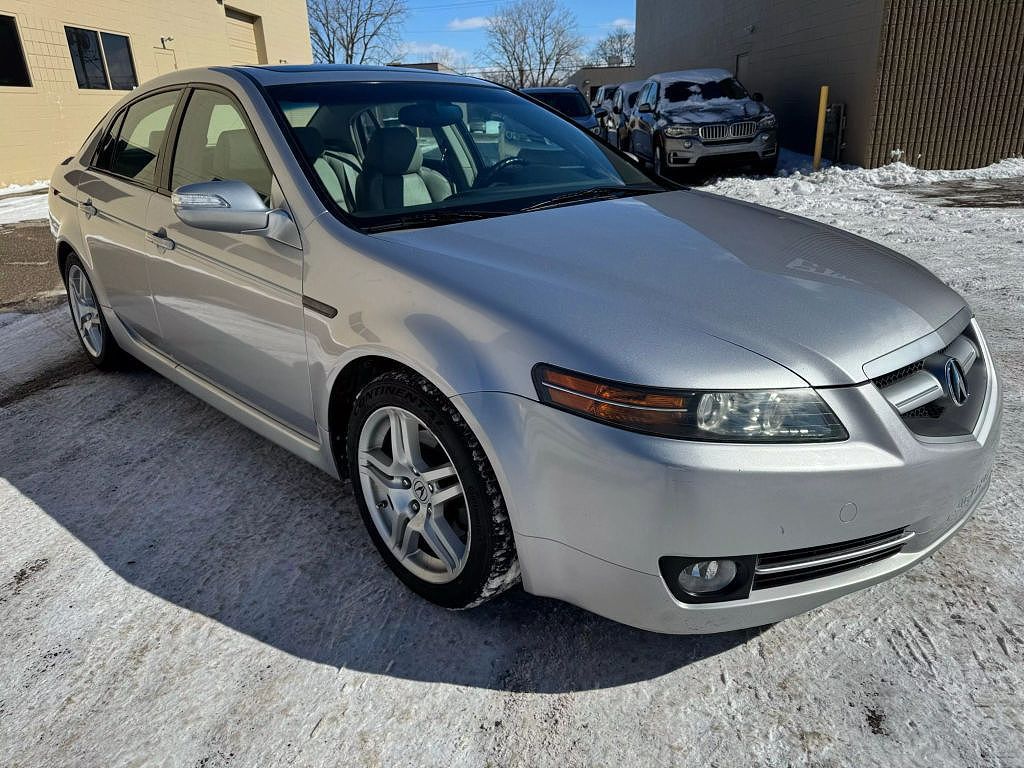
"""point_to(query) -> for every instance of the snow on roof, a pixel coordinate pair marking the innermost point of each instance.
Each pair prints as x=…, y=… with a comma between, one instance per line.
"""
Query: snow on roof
x=693, y=75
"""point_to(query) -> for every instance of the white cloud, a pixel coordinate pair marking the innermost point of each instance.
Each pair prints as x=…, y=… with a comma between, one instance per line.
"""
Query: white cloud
x=433, y=52
x=623, y=24
x=473, y=22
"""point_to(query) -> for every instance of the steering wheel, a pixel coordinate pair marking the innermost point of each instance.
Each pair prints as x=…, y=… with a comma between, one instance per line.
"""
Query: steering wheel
x=489, y=175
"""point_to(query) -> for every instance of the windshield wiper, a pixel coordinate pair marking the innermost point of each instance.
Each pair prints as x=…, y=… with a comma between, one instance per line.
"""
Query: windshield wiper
x=586, y=195
x=433, y=218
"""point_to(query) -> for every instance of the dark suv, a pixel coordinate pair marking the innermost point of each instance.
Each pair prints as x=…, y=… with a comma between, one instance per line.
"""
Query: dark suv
x=684, y=118
x=569, y=101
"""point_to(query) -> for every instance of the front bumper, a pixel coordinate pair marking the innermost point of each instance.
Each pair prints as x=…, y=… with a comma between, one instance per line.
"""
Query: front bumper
x=594, y=508
x=685, y=152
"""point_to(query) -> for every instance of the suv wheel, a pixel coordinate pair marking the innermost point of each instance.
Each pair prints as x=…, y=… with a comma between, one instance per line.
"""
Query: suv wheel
x=427, y=493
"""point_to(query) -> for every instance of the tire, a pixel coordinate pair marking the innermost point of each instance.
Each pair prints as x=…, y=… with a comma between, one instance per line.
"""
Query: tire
x=91, y=327
x=488, y=564
x=768, y=166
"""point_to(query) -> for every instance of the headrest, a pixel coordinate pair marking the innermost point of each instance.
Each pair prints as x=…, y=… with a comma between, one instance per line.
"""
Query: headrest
x=393, y=152
x=311, y=141
x=237, y=149
x=156, y=138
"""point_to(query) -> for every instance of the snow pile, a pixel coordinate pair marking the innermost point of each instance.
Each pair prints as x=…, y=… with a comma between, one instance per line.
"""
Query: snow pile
x=23, y=208
x=14, y=189
x=796, y=178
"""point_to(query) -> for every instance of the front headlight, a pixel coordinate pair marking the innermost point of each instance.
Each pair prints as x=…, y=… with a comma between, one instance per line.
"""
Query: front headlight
x=767, y=122
x=772, y=416
x=678, y=131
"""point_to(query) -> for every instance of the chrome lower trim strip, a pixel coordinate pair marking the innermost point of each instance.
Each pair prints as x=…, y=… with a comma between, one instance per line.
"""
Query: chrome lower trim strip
x=852, y=554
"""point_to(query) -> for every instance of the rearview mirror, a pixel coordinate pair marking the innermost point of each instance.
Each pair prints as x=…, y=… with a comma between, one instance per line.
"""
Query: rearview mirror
x=234, y=207
x=757, y=96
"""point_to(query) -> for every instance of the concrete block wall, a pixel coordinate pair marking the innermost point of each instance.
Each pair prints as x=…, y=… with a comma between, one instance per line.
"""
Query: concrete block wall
x=44, y=123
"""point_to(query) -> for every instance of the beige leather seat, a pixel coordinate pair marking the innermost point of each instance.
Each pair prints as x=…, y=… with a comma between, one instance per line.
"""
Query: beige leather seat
x=339, y=181
x=393, y=175
x=237, y=157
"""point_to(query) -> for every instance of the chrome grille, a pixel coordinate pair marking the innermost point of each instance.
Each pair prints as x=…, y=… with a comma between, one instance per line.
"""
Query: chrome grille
x=779, y=568
x=918, y=391
x=722, y=131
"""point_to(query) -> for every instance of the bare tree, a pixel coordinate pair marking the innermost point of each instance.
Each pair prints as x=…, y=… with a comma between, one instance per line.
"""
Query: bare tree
x=355, y=31
x=616, y=48
x=532, y=42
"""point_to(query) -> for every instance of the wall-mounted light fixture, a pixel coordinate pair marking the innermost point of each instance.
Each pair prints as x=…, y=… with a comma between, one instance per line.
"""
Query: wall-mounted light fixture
x=164, y=41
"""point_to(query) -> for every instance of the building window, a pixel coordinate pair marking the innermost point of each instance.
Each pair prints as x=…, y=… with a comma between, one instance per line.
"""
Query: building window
x=102, y=60
x=13, y=68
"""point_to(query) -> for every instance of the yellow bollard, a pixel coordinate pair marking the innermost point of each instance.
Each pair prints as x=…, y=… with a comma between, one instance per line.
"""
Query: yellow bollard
x=819, y=136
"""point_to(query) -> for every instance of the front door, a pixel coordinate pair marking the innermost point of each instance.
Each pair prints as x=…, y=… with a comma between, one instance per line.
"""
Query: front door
x=113, y=201
x=230, y=306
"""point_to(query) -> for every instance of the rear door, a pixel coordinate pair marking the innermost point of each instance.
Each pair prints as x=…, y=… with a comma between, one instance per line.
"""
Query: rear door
x=113, y=201
x=229, y=305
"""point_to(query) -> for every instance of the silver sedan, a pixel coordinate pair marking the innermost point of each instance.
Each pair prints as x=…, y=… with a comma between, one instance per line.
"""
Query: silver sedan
x=534, y=360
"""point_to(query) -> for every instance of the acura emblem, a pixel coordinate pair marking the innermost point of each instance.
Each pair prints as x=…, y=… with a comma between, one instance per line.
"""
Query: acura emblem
x=956, y=382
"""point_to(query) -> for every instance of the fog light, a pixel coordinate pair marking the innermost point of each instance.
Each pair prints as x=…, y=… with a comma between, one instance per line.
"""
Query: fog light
x=687, y=144
x=764, y=137
x=707, y=576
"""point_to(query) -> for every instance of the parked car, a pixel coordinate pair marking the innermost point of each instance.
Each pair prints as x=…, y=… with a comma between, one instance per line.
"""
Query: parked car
x=731, y=419
x=617, y=119
x=602, y=106
x=688, y=117
x=570, y=102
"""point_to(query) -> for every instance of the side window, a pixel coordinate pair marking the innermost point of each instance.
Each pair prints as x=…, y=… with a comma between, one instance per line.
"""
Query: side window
x=107, y=145
x=366, y=124
x=139, y=137
x=216, y=144
x=13, y=67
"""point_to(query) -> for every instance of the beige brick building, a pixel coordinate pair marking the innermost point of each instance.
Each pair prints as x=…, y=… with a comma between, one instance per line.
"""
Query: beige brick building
x=64, y=63
x=939, y=83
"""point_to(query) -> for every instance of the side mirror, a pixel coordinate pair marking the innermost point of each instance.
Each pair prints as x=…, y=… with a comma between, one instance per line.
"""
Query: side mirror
x=600, y=113
x=645, y=107
x=234, y=207
x=757, y=96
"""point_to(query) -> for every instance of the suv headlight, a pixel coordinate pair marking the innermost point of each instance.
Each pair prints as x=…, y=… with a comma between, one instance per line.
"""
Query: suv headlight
x=767, y=122
x=771, y=416
x=678, y=131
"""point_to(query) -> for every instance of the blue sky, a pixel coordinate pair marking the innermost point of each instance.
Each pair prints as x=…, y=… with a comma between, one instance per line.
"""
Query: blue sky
x=460, y=25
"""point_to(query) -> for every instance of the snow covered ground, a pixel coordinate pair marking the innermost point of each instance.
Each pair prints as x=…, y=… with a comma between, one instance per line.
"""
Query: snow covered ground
x=23, y=202
x=176, y=591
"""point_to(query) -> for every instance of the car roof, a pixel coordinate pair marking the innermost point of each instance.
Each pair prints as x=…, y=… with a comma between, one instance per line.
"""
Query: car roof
x=285, y=74
x=550, y=89
x=692, y=75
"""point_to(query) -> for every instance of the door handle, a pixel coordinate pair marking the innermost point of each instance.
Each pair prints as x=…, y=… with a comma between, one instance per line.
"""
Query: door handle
x=160, y=241
x=88, y=209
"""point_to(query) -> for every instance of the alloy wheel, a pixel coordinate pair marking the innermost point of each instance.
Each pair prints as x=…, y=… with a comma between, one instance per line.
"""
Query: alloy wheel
x=414, y=494
x=86, y=310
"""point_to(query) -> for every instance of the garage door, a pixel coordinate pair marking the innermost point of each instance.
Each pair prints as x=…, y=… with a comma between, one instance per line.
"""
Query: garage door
x=243, y=44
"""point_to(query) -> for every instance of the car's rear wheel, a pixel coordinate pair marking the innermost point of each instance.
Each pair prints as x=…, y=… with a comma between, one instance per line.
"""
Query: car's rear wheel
x=93, y=332
x=427, y=493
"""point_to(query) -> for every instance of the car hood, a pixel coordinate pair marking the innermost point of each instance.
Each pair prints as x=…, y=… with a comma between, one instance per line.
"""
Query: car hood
x=585, y=121
x=711, y=110
x=653, y=280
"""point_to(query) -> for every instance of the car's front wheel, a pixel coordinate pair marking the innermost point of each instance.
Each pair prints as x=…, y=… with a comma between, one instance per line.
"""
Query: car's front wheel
x=93, y=332
x=427, y=493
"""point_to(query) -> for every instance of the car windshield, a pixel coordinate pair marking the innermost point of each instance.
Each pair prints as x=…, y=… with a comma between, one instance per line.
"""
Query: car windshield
x=392, y=155
x=569, y=102
x=683, y=90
